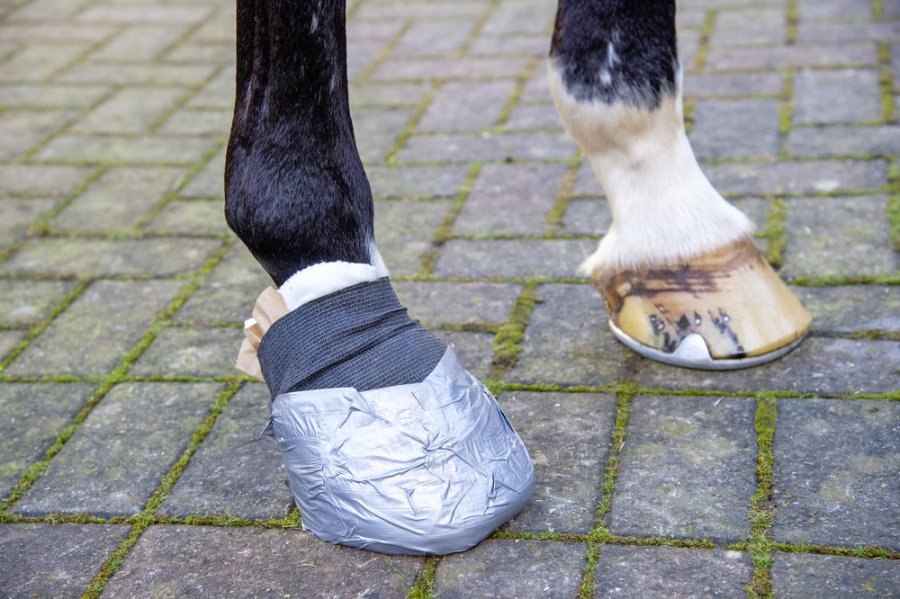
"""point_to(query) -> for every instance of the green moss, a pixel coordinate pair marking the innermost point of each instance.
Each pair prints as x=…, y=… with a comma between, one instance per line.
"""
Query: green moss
x=555, y=217
x=588, y=582
x=786, y=107
x=793, y=18
x=775, y=233
x=762, y=512
x=617, y=441
x=424, y=585
x=706, y=31
x=445, y=231
x=508, y=340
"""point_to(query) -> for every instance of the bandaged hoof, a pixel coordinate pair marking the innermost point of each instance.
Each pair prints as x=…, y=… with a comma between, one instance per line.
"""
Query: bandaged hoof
x=723, y=310
x=426, y=469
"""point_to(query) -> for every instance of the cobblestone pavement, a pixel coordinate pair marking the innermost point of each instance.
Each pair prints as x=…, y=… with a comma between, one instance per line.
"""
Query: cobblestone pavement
x=130, y=459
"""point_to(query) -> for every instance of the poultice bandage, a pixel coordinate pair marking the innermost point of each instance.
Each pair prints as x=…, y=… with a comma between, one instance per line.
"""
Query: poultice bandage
x=389, y=443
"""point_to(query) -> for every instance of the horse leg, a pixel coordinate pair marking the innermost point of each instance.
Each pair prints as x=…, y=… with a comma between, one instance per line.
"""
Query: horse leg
x=678, y=270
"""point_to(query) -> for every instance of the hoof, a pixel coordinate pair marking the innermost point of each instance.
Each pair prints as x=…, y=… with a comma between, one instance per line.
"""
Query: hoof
x=426, y=469
x=723, y=310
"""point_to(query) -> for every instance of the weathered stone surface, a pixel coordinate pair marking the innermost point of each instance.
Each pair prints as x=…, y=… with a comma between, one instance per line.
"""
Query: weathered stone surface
x=728, y=84
x=40, y=180
x=236, y=472
x=587, y=216
x=121, y=451
x=16, y=216
x=534, y=116
x=508, y=569
x=230, y=292
x=36, y=62
x=452, y=68
x=104, y=257
x=487, y=147
x=850, y=309
x=196, y=217
x=458, y=303
x=568, y=437
x=22, y=130
x=839, y=237
x=686, y=469
x=9, y=340
x=474, y=350
x=191, y=352
x=209, y=181
x=182, y=75
x=835, y=480
x=218, y=93
x=377, y=129
x=749, y=26
x=240, y=562
x=93, y=333
x=818, y=366
x=735, y=128
x=460, y=105
x=568, y=342
x=386, y=93
x=797, y=177
x=197, y=122
x=117, y=150
x=416, y=181
x=586, y=183
x=140, y=42
x=32, y=417
x=54, y=560
x=511, y=198
x=806, y=55
x=670, y=572
x=796, y=575
x=404, y=231
x=130, y=111
x=834, y=9
x=844, y=140
x=513, y=258
x=836, y=96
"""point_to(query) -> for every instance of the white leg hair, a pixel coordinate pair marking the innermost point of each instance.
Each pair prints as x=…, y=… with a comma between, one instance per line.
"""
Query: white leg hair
x=664, y=208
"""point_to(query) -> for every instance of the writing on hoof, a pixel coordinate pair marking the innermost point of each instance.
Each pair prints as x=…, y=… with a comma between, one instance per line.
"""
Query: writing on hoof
x=722, y=310
x=389, y=443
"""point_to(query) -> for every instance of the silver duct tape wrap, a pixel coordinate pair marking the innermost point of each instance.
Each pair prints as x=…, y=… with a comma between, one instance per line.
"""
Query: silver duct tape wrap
x=424, y=469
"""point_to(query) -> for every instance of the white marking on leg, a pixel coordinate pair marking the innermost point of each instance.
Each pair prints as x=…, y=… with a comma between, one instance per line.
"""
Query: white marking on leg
x=322, y=279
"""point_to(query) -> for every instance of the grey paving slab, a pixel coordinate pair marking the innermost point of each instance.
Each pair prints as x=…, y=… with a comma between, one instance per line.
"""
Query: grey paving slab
x=466, y=105
x=835, y=480
x=230, y=292
x=568, y=342
x=416, y=181
x=498, y=147
x=22, y=130
x=474, y=350
x=54, y=560
x=110, y=149
x=8, y=341
x=533, y=116
x=106, y=257
x=796, y=576
x=686, y=469
x=819, y=365
x=513, y=258
x=850, y=309
x=236, y=472
x=509, y=569
x=749, y=26
x=568, y=438
x=118, y=198
x=670, y=572
x=41, y=180
x=33, y=415
x=450, y=68
x=511, y=198
x=191, y=217
x=203, y=352
x=241, y=562
x=520, y=17
x=838, y=236
x=18, y=216
x=208, y=182
x=836, y=96
x=376, y=130
x=587, y=216
x=797, y=177
x=510, y=45
x=190, y=121
x=458, y=303
x=121, y=452
x=724, y=128
x=843, y=140
x=586, y=183
x=836, y=33
x=729, y=84
x=806, y=55
x=386, y=93
x=431, y=37
x=404, y=230
x=129, y=111
x=91, y=336
x=833, y=9
x=182, y=75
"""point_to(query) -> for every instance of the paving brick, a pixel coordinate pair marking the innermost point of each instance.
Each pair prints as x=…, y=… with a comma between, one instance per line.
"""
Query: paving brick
x=121, y=452
x=47, y=9
x=534, y=116
x=586, y=183
x=797, y=177
x=118, y=199
x=416, y=181
x=466, y=105
x=42, y=95
x=568, y=342
x=510, y=569
x=851, y=309
x=209, y=182
x=587, y=216
x=432, y=10
x=139, y=42
x=838, y=236
x=22, y=130
x=230, y=292
x=218, y=92
x=93, y=333
x=377, y=129
x=453, y=303
x=520, y=17
x=125, y=150
x=8, y=341
x=23, y=303
x=235, y=472
x=197, y=51
x=474, y=350
x=18, y=215
x=48, y=30
x=836, y=96
x=818, y=10
x=32, y=417
x=176, y=561
x=835, y=477
x=387, y=93
x=511, y=198
x=513, y=258
x=455, y=68
x=471, y=148
x=671, y=571
x=537, y=89
x=748, y=26
x=197, y=122
x=404, y=230
x=735, y=128
x=360, y=54
x=807, y=55
x=40, y=180
x=144, y=14
x=826, y=366
x=838, y=33
x=686, y=469
x=796, y=576
x=430, y=37
x=567, y=435
x=510, y=45
x=838, y=141
x=191, y=217
x=130, y=257
x=191, y=352
x=55, y=560
x=37, y=62
x=374, y=30
x=184, y=75
x=727, y=84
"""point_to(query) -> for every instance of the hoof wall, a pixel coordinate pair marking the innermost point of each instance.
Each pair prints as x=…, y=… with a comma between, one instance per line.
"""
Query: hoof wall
x=720, y=311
